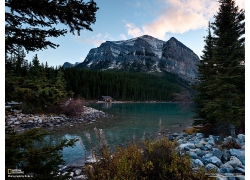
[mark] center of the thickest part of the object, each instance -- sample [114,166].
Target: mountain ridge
[144,54]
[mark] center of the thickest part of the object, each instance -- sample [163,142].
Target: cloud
[134,31]
[177,16]
[97,39]
[241,4]
[123,37]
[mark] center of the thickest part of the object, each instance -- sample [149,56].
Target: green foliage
[122,85]
[221,88]
[29,23]
[37,86]
[21,153]
[156,160]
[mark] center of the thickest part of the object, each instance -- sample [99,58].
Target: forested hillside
[123,85]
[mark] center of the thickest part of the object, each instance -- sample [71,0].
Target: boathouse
[106,98]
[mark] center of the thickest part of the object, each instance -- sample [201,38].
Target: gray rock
[30,121]
[78,172]
[211,142]
[199,135]
[234,162]
[193,155]
[225,156]
[239,170]
[216,152]
[198,145]
[215,161]
[208,155]
[240,154]
[240,177]
[211,166]
[170,137]
[226,168]
[200,153]
[241,138]
[205,148]
[198,162]
[180,141]
[71,174]
[50,124]
[209,146]
[176,134]
[220,177]
[83,177]
[9,122]
[187,145]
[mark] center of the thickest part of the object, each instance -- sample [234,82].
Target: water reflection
[105,105]
[131,121]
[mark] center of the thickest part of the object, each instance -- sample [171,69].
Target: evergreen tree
[41,161]
[29,23]
[205,69]
[226,86]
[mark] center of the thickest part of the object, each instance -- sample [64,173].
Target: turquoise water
[128,122]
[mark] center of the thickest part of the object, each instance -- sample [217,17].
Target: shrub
[156,160]
[70,107]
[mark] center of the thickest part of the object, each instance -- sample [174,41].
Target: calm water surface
[129,121]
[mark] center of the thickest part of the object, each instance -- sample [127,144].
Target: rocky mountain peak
[144,54]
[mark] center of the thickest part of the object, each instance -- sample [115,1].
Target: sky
[186,20]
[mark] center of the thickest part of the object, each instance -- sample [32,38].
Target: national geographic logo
[15,171]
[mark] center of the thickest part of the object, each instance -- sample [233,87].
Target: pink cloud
[177,16]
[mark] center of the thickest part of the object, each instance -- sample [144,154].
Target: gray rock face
[144,54]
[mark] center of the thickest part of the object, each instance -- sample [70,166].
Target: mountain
[144,54]
[69,65]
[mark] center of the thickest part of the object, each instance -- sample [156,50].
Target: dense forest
[123,85]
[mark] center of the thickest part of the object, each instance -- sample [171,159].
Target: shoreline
[117,102]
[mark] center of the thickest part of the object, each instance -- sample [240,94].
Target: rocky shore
[21,122]
[211,153]
[208,152]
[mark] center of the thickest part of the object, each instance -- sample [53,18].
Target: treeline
[35,84]
[122,85]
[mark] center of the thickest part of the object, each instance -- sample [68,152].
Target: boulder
[211,166]
[78,172]
[234,162]
[216,152]
[239,170]
[187,145]
[200,153]
[221,177]
[30,121]
[240,154]
[225,156]
[241,138]
[193,155]
[215,160]
[198,162]
[226,168]
[199,135]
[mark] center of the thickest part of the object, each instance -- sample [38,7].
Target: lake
[127,122]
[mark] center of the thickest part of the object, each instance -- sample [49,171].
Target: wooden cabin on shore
[106,98]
